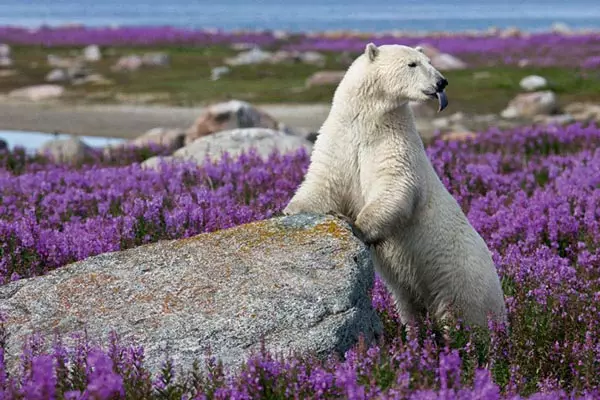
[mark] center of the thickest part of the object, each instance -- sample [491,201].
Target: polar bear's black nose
[441,84]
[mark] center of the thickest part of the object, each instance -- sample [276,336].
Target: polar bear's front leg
[313,196]
[385,209]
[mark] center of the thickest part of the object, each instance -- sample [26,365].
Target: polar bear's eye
[412,64]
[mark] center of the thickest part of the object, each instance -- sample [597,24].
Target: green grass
[187,81]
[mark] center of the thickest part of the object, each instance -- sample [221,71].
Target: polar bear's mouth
[441,97]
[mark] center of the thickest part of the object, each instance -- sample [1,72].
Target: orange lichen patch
[86,280]
[171,303]
[266,230]
[333,228]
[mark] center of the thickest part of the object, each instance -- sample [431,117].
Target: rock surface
[235,141]
[170,137]
[68,150]
[322,78]
[128,63]
[92,53]
[584,111]
[531,104]
[442,61]
[156,59]
[5,52]
[533,82]
[229,115]
[259,56]
[301,282]
[37,92]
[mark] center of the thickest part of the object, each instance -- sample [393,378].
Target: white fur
[369,164]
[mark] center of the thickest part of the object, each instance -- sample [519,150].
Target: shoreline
[130,121]
[557,28]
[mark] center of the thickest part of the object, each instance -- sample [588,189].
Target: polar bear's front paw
[355,230]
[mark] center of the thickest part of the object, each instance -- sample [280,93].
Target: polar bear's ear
[419,49]
[371,51]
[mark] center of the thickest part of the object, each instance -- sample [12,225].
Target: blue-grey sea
[315,15]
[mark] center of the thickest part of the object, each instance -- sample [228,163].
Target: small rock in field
[37,92]
[234,142]
[156,59]
[92,53]
[561,28]
[510,32]
[281,35]
[60,62]
[6,62]
[229,115]
[3,144]
[584,111]
[561,119]
[94,79]
[446,62]
[217,72]
[531,104]
[65,150]
[57,75]
[128,63]
[171,137]
[533,82]
[323,78]
[440,60]
[253,56]
[312,58]
[4,50]
[5,73]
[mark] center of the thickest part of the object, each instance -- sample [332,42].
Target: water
[33,140]
[316,15]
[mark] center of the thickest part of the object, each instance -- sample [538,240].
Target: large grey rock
[234,142]
[301,282]
[68,150]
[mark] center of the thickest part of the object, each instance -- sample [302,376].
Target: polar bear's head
[400,74]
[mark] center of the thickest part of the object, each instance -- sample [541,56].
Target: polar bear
[369,166]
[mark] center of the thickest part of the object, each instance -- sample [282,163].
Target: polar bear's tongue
[442,99]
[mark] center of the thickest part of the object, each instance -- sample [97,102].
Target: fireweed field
[533,194]
[544,49]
